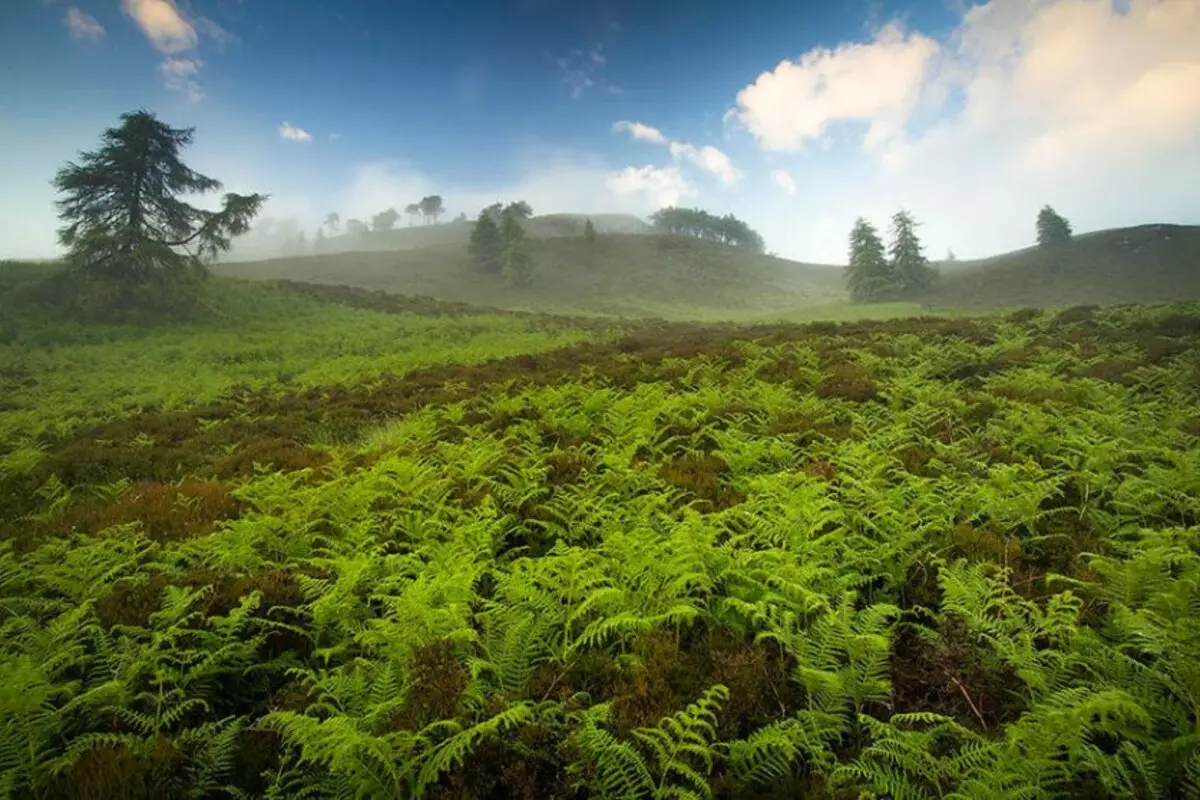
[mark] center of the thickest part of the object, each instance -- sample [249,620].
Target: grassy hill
[635,275]
[1142,264]
[452,232]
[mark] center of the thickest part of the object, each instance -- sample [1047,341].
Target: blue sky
[796,116]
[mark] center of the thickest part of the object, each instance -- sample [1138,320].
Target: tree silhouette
[385,220]
[1052,228]
[869,276]
[124,217]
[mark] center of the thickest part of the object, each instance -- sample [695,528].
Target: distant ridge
[1141,264]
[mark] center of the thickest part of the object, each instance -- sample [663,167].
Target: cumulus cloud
[707,158]
[166,28]
[640,131]
[877,82]
[664,186]
[82,26]
[179,75]
[1088,105]
[784,181]
[289,131]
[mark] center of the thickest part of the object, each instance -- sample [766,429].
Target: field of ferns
[924,558]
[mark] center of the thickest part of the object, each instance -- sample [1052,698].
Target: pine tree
[486,246]
[868,277]
[589,232]
[910,267]
[516,262]
[1052,228]
[124,219]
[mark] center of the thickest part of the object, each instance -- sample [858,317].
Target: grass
[56,377]
[895,558]
[622,275]
[1143,264]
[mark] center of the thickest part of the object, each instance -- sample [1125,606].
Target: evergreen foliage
[487,245]
[869,276]
[910,268]
[1053,230]
[589,232]
[125,222]
[515,260]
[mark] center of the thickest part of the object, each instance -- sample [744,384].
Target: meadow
[344,546]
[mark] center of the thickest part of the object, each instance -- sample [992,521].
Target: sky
[796,116]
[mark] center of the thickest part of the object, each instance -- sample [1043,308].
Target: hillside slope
[1142,264]
[416,237]
[620,274]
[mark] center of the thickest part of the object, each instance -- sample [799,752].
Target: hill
[453,232]
[1142,264]
[634,275]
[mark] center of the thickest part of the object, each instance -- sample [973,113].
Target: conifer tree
[125,221]
[868,277]
[516,262]
[1052,228]
[589,232]
[909,266]
[486,246]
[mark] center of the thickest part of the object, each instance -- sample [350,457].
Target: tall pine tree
[125,221]
[868,277]
[910,268]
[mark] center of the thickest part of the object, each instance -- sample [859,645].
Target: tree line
[877,273]
[701,224]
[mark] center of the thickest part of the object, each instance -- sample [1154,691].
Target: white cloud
[877,83]
[640,131]
[664,186]
[166,28]
[1089,105]
[784,181]
[289,131]
[82,26]
[179,75]
[707,158]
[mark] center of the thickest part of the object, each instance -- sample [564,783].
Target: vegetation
[869,274]
[589,233]
[487,245]
[903,272]
[385,220]
[1053,230]
[132,243]
[1145,264]
[911,558]
[621,274]
[516,264]
[699,223]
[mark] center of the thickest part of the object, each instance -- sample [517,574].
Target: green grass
[622,275]
[939,557]
[57,376]
[1143,264]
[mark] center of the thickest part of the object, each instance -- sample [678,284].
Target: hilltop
[1141,264]
[622,274]
[453,232]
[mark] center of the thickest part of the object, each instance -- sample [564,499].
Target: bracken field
[349,545]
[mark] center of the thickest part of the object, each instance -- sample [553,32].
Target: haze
[971,116]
